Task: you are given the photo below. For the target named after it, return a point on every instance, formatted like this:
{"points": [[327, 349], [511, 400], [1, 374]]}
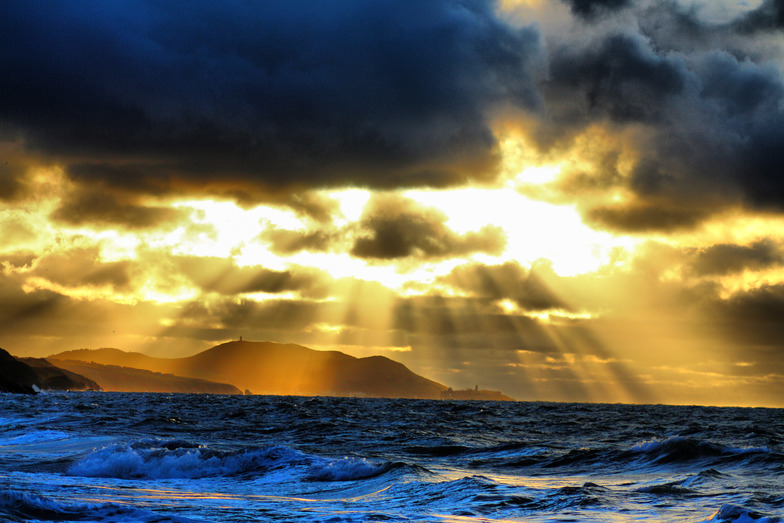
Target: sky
{"points": [[565, 200]]}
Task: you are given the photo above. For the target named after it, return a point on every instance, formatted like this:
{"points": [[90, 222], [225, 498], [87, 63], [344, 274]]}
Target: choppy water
{"points": [[156, 458]]}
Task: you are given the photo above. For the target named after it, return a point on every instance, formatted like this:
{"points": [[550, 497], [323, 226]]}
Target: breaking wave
{"points": [[170, 459], [18, 506]]}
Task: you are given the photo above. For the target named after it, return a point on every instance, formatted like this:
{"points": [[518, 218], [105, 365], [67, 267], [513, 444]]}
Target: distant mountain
{"points": [[16, 376], [25, 375], [124, 379], [122, 358], [273, 368], [55, 378]]}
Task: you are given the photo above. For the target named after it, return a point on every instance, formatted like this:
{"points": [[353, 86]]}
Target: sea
{"points": [[128, 457]]}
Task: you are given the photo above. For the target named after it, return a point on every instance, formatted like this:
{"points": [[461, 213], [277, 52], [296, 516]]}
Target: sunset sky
{"points": [[577, 200]]}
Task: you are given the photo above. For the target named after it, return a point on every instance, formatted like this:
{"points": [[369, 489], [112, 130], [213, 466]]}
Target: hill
{"points": [[56, 378], [28, 375], [16, 376], [124, 379], [274, 368]]}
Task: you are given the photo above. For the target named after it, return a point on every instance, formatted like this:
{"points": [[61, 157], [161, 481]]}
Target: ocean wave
{"points": [[674, 452], [39, 436], [437, 451], [672, 488], [588, 495], [509, 455], [18, 506], [347, 469], [6, 422], [684, 450], [170, 459], [734, 514]]}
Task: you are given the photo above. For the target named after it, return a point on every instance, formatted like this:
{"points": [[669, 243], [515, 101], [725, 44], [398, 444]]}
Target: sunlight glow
{"points": [[747, 281], [351, 202], [116, 246], [182, 294], [224, 229], [508, 306], [556, 316], [539, 174], [85, 293], [533, 229]]}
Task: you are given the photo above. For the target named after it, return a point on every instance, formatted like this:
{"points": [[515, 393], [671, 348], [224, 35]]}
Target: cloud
{"points": [[760, 306], [723, 259], [12, 186], [170, 97], [283, 241], [102, 207], [618, 77], [391, 228], [221, 275], [398, 228], [643, 217], [751, 322], [78, 267], [17, 261], [506, 281], [588, 9], [47, 321], [698, 124], [768, 16], [20, 232]]}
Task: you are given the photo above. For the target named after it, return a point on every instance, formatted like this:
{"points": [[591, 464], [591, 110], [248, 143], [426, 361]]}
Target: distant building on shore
{"points": [[474, 394]]}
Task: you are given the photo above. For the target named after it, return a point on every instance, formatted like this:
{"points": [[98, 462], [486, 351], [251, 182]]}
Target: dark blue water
{"points": [[156, 458]]}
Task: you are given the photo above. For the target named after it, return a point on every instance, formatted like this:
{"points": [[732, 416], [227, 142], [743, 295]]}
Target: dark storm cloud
{"points": [[507, 281], [589, 9], [707, 122], [729, 258], [768, 16], [399, 227], [94, 205], [221, 275], [620, 78], [155, 96]]}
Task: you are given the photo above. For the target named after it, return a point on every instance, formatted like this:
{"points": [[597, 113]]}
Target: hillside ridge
{"points": [[275, 368]]}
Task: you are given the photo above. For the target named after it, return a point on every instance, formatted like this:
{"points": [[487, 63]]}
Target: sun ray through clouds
{"points": [[569, 200]]}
